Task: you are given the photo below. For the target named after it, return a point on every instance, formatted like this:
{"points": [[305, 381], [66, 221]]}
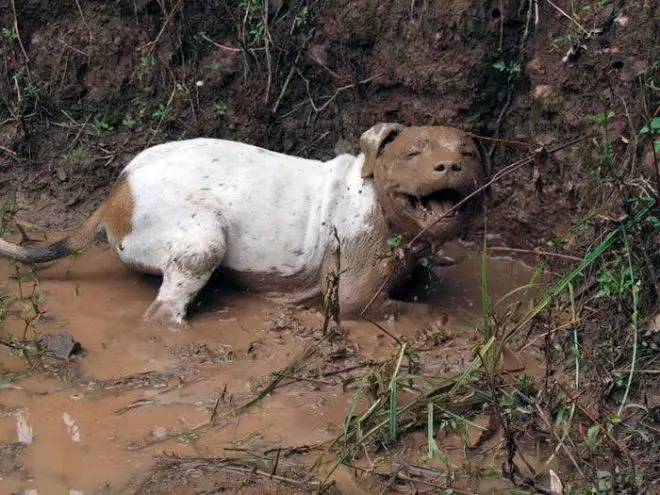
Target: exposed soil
{"points": [[84, 86]]}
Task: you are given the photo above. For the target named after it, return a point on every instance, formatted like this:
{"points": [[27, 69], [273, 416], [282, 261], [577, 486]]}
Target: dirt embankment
{"points": [[85, 87]]}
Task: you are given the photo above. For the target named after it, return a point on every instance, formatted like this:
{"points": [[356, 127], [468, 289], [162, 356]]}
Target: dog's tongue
{"points": [[440, 207]]}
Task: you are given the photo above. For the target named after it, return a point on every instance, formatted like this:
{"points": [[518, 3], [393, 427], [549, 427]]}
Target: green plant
{"points": [[303, 17], [220, 108], [561, 42], [614, 280], [8, 34], [6, 215], [512, 69], [394, 241], [163, 113], [215, 67], [101, 125], [601, 118], [148, 61], [605, 154], [129, 122], [254, 28], [653, 129]]}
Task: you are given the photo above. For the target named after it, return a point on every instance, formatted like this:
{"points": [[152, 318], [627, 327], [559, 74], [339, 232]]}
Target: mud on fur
{"points": [[185, 209]]}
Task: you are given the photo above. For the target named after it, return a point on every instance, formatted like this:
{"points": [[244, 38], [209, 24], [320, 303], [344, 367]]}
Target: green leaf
{"points": [[394, 241], [500, 65], [655, 125], [592, 436], [615, 419]]}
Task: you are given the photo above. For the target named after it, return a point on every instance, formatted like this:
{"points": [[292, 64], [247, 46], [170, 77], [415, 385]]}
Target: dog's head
{"points": [[421, 172]]}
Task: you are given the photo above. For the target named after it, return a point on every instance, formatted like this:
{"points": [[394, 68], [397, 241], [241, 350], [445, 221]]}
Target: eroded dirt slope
{"points": [[83, 90]]}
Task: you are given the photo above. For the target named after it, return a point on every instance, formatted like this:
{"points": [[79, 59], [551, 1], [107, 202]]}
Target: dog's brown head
{"points": [[421, 172]]}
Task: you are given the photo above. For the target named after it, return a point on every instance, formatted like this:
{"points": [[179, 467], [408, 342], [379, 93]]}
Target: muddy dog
{"points": [[274, 222]]}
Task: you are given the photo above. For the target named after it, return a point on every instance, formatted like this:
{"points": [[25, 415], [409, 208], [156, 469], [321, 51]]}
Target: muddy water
{"points": [[100, 421]]}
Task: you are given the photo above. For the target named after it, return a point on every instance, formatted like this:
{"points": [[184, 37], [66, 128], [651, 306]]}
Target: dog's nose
{"points": [[441, 167]]}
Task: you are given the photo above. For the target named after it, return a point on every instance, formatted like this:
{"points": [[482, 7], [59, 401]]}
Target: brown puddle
{"points": [[91, 430]]}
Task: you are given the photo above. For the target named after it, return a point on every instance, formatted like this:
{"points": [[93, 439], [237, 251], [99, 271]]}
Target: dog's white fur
{"points": [[276, 222], [252, 210]]}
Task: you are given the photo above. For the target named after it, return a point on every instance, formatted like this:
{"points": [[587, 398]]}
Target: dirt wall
{"points": [[86, 85]]}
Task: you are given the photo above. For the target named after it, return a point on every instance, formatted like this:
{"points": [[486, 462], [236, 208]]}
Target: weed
{"points": [[163, 113], [6, 216], [215, 67], [303, 17], [562, 42], [129, 122], [512, 69], [148, 61], [8, 34], [101, 125], [605, 153], [652, 129], [220, 108], [254, 28], [601, 118]]}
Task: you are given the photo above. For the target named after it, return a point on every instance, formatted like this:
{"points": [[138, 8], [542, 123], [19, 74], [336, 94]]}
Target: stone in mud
{"points": [[62, 344]]}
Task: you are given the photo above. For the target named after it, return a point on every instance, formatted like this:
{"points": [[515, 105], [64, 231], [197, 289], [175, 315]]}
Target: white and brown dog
{"points": [[187, 208]]}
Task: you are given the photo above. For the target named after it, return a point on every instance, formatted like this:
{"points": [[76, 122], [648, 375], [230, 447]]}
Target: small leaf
{"points": [[592, 436], [655, 125], [394, 241], [501, 66], [615, 419]]}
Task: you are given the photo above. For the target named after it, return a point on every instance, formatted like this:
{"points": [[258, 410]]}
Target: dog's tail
{"points": [[75, 242]]}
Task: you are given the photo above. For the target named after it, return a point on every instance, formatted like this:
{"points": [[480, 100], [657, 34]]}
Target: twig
{"points": [[18, 34], [587, 33], [218, 45], [529, 146], [162, 29], [286, 83], [9, 152], [335, 94], [531, 251], [82, 17]]}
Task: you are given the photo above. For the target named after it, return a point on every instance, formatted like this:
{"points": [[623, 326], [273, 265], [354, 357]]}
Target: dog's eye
{"points": [[411, 154], [468, 153]]}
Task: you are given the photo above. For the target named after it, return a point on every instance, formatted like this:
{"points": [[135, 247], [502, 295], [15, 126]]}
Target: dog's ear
{"points": [[486, 162], [372, 143]]}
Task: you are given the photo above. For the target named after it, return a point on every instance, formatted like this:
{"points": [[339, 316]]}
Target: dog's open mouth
{"points": [[437, 203]]}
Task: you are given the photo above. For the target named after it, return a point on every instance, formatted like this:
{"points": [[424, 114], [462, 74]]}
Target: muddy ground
{"points": [[96, 424], [84, 86]]}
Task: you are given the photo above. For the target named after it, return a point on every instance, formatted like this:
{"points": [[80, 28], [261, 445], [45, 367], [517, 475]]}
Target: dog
{"points": [[277, 223]]}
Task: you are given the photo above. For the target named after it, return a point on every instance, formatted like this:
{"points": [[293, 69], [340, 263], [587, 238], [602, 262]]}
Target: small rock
{"points": [[62, 344], [535, 64], [62, 175], [543, 92]]}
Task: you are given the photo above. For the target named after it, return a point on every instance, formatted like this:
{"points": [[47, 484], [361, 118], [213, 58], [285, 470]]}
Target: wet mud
{"points": [[94, 424]]}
